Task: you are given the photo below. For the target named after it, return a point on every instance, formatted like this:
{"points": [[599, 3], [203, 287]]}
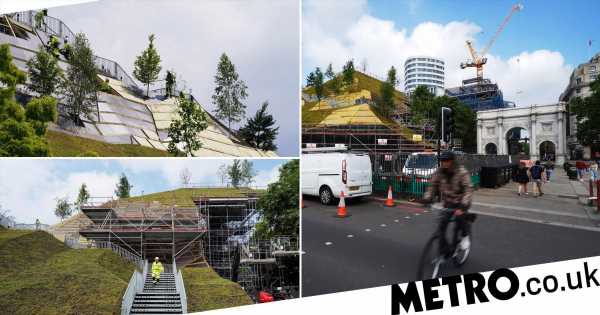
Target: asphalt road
{"points": [[378, 246]]}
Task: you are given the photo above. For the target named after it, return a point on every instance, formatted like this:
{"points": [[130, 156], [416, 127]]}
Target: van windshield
{"points": [[422, 161]]}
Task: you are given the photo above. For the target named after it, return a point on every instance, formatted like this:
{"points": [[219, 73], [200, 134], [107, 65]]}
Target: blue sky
{"points": [[531, 60], [30, 187]]}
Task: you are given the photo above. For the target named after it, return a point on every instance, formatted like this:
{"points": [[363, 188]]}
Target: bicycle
{"points": [[432, 259]]}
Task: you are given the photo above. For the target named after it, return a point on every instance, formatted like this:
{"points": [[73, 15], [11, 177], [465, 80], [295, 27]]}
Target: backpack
{"points": [[536, 172]]}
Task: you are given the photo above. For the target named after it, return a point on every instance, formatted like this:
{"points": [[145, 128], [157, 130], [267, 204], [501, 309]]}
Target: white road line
{"points": [[566, 225], [396, 220], [367, 230], [407, 217], [417, 214], [328, 243], [350, 236], [558, 213], [383, 225]]}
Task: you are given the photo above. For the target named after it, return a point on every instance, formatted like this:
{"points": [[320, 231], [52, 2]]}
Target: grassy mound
{"points": [[183, 196], [206, 290], [62, 144], [40, 275]]}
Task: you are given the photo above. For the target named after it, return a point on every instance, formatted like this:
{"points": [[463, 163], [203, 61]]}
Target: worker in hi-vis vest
{"points": [[157, 268]]}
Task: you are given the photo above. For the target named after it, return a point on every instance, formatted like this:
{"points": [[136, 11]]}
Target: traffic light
{"points": [[447, 124]]}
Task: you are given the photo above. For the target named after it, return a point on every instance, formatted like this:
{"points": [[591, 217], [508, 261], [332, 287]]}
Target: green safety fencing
{"points": [[408, 187]]}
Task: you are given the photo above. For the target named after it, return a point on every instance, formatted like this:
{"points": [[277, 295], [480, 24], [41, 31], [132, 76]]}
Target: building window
{"points": [[578, 81]]}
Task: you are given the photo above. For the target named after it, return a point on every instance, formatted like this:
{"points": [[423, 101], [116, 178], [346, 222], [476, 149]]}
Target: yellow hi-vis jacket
{"points": [[157, 268]]}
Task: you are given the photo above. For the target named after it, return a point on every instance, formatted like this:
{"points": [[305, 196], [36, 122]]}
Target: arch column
{"points": [[501, 147], [480, 146], [561, 145], [533, 149]]}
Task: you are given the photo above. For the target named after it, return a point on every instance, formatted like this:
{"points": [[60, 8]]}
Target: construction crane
{"points": [[478, 60]]}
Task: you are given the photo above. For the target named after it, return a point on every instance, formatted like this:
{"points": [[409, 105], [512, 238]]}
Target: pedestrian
{"points": [[549, 168], [580, 166], [537, 175], [157, 269], [594, 176], [37, 224], [522, 178]]}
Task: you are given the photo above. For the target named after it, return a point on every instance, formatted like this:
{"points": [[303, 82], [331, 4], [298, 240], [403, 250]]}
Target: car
{"points": [[328, 174], [420, 166]]}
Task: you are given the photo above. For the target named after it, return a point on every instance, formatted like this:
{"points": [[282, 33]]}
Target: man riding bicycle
{"points": [[454, 183]]}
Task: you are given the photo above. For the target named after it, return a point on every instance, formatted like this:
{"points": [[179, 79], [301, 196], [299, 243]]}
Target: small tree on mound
{"points": [[386, 90], [82, 197], [230, 92], [248, 173], [81, 84], [259, 130], [63, 208], [348, 73], [45, 76], [123, 187], [147, 65], [186, 130], [235, 173], [319, 84]]}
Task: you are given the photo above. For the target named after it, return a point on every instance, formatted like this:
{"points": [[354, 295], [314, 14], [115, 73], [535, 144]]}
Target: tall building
{"points": [[579, 86], [424, 70]]}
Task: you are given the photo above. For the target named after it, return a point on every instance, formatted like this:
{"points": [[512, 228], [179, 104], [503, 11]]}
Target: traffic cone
{"points": [[389, 202], [341, 213], [302, 203]]}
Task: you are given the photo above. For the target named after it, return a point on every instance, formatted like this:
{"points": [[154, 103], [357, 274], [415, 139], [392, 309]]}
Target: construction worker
{"points": [[157, 268]]}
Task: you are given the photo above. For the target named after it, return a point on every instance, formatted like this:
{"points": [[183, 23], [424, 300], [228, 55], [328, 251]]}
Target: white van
{"points": [[328, 174]]}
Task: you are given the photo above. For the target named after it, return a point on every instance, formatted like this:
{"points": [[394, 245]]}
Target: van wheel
{"points": [[326, 195]]}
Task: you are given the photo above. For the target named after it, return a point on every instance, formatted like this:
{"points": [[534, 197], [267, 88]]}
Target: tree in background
{"points": [[223, 173], [587, 113], [82, 197], [81, 84], [329, 72], [421, 105], [123, 187], [386, 99], [45, 75], [186, 130], [63, 208], [21, 132], [319, 84], [185, 176], [259, 130], [310, 79], [147, 65], [348, 73], [248, 173], [334, 82], [235, 174], [229, 93], [170, 83], [279, 205]]}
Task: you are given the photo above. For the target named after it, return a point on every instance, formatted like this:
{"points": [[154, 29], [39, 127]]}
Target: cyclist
{"points": [[453, 181]]}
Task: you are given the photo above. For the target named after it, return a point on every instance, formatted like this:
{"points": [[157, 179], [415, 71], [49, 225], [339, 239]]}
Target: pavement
{"points": [[378, 245]]}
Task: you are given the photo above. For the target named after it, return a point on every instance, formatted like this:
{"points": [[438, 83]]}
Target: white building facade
{"points": [[545, 126], [424, 70]]}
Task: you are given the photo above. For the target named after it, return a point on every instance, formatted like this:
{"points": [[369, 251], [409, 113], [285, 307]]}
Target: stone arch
{"points": [[517, 140], [547, 150], [491, 148]]}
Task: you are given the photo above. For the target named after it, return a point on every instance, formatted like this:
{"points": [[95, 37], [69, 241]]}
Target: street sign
{"points": [[381, 141], [311, 145], [417, 138], [388, 157]]}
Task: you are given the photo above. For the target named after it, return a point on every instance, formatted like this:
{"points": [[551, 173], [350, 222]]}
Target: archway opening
{"points": [[547, 151], [517, 141], [491, 149]]}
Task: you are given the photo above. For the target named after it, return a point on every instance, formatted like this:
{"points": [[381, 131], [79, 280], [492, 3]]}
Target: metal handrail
{"points": [[180, 286], [135, 286]]}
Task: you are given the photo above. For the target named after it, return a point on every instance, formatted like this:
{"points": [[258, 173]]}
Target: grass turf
{"points": [[183, 196], [40, 275], [206, 290], [62, 144]]}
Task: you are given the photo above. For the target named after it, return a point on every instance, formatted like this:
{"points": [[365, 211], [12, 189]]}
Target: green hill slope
{"points": [[183, 196], [207, 291], [40, 275]]}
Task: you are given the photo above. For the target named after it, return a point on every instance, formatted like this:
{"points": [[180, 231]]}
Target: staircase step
{"points": [[153, 305], [167, 301], [157, 311]]}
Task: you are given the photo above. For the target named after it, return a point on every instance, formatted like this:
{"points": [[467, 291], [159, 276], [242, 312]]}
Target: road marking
{"points": [[367, 230], [407, 217], [383, 225], [565, 225], [350, 236], [490, 205], [396, 220], [328, 243], [417, 214]]}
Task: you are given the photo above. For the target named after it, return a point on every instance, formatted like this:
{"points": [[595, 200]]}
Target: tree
{"points": [[147, 65], [63, 208], [319, 84], [587, 113], [40, 111], [170, 83], [259, 131], [421, 105], [82, 197], [44, 73], [186, 129], [348, 73], [248, 172], [185, 175], [123, 187], [329, 72], [230, 92], [223, 173], [386, 102], [81, 84], [21, 133], [234, 172], [279, 205], [310, 79]]}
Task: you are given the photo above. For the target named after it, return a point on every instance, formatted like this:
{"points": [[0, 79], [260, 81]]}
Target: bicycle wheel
{"points": [[461, 254], [430, 261]]}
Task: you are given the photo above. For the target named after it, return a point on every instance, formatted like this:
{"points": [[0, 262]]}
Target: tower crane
{"points": [[478, 60]]}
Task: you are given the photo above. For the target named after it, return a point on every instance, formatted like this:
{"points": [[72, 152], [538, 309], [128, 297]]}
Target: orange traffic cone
{"points": [[389, 202], [302, 203], [341, 213]]}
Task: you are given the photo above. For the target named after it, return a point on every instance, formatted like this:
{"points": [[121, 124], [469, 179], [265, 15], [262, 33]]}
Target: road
{"points": [[377, 246]]}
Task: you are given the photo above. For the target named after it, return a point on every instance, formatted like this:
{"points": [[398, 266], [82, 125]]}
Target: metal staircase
{"points": [[160, 298]]}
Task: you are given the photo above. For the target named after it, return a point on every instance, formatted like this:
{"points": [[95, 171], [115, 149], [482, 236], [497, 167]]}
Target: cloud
{"points": [[530, 77], [261, 37]]}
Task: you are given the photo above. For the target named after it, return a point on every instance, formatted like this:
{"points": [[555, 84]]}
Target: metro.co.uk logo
{"points": [[473, 286]]}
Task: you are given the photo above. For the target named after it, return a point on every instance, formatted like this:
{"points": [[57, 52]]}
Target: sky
{"points": [[29, 188], [261, 37], [531, 60]]}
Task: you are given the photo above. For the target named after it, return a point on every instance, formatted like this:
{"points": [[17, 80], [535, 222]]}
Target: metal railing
{"points": [[135, 286], [180, 286], [76, 243]]}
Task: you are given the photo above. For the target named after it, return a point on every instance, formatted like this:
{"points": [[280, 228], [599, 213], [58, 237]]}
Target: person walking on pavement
{"points": [[537, 175], [157, 269], [580, 166], [594, 176], [549, 168], [522, 178]]}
